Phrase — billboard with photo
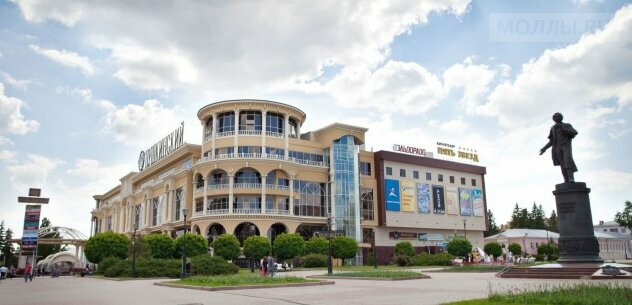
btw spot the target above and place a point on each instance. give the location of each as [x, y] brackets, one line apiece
[452, 201]
[465, 198]
[31, 228]
[408, 196]
[391, 194]
[477, 202]
[423, 197]
[438, 200]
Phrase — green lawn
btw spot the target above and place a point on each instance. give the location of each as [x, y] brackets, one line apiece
[582, 294]
[474, 268]
[241, 279]
[378, 274]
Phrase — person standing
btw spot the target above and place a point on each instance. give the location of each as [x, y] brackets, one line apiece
[12, 271]
[3, 272]
[28, 273]
[264, 266]
[271, 265]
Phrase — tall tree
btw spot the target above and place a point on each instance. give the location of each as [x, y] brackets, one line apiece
[7, 249]
[551, 222]
[493, 229]
[536, 218]
[523, 219]
[514, 223]
[625, 218]
[46, 250]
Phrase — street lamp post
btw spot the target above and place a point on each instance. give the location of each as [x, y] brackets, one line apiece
[329, 261]
[134, 249]
[252, 260]
[184, 244]
[465, 227]
[373, 246]
[524, 243]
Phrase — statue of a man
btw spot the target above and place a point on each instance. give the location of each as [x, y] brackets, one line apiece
[560, 138]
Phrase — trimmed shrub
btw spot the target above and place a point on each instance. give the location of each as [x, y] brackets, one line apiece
[119, 269]
[371, 258]
[146, 268]
[515, 249]
[141, 247]
[195, 245]
[256, 247]
[107, 244]
[493, 248]
[314, 260]
[459, 247]
[107, 263]
[425, 259]
[344, 247]
[212, 265]
[317, 245]
[287, 246]
[160, 245]
[551, 249]
[405, 248]
[297, 261]
[226, 246]
[403, 260]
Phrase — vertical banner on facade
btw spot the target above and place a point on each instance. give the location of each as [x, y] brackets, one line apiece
[423, 197]
[408, 196]
[452, 198]
[31, 228]
[477, 202]
[438, 200]
[391, 193]
[465, 197]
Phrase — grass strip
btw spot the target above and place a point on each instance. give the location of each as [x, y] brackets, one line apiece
[378, 274]
[474, 268]
[238, 280]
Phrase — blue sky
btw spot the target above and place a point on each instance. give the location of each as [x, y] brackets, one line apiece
[85, 87]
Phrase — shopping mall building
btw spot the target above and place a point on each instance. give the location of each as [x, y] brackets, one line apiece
[257, 173]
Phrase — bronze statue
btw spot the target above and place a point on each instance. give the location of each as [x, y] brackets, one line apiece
[560, 138]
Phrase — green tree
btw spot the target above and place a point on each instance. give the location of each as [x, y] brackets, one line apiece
[226, 246]
[551, 223]
[7, 249]
[317, 245]
[492, 227]
[514, 248]
[140, 247]
[459, 246]
[494, 249]
[549, 249]
[256, 247]
[287, 246]
[404, 247]
[536, 218]
[106, 244]
[344, 247]
[192, 245]
[625, 218]
[514, 223]
[45, 250]
[160, 245]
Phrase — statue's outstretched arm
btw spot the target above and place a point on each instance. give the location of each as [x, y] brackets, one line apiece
[546, 147]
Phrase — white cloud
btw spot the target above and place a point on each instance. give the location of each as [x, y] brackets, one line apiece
[32, 172]
[594, 69]
[105, 176]
[473, 79]
[18, 83]
[220, 46]
[133, 124]
[67, 58]
[11, 119]
[85, 94]
[7, 155]
[456, 126]
[5, 141]
[396, 86]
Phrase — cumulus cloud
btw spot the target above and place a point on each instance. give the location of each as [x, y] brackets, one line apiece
[32, 172]
[7, 155]
[66, 58]
[18, 83]
[221, 45]
[581, 75]
[11, 119]
[84, 93]
[473, 79]
[93, 171]
[132, 123]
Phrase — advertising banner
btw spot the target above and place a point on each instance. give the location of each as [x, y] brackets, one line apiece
[452, 198]
[391, 192]
[408, 196]
[477, 202]
[31, 227]
[465, 197]
[438, 200]
[423, 197]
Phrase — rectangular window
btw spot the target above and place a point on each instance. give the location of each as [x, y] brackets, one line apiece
[366, 197]
[249, 149]
[440, 177]
[226, 122]
[451, 179]
[179, 201]
[273, 151]
[415, 175]
[274, 123]
[110, 223]
[365, 168]
[462, 181]
[428, 176]
[199, 206]
[614, 230]
[154, 212]
[137, 213]
[250, 120]
[473, 182]
[218, 204]
[402, 172]
[224, 151]
[389, 171]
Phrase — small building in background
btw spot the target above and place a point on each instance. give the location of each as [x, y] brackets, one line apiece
[611, 227]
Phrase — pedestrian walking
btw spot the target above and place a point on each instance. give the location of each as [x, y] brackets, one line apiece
[271, 265]
[264, 266]
[3, 272]
[12, 272]
[28, 273]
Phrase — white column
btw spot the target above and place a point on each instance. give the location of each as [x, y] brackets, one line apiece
[291, 196]
[287, 136]
[213, 134]
[236, 144]
[298, 129]
[205, 199]
[263, 131]
[264, 188]
[231, 191]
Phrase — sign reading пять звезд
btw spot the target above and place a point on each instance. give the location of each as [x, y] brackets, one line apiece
[462, 152]
[163, 148]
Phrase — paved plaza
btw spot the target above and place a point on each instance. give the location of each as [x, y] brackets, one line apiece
[443, 287]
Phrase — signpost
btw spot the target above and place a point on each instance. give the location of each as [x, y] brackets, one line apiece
[32, 213]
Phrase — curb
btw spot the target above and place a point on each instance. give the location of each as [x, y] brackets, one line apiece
[420, 277]
[220, 288]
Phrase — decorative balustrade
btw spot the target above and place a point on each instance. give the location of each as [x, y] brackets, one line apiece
[218, 186]
[225, 134]
[277, 187]
[275, 134]
[247, 185]
[250, 132]
[247, 211]
[277, 212]
[261, 156]
[217, 212]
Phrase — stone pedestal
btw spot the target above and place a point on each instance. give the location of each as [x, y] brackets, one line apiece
[577, 242]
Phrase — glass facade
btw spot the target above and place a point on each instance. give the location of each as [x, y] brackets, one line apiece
[274, 123]
[250, 120]
[346, 188]
[226, 122]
